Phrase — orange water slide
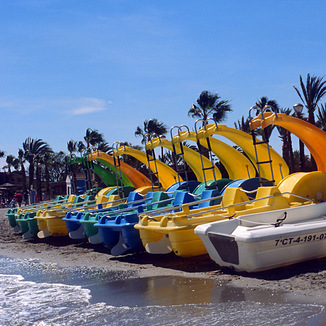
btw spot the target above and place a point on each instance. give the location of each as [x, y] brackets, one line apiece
[313, 137]
[137, 178]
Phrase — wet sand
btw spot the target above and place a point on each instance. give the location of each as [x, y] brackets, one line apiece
[305, 282]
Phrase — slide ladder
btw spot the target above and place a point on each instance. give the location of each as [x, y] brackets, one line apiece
[86, 167]
[179, 155]
[118, 172]
[205, 151]
[265, 142]
[152, 168]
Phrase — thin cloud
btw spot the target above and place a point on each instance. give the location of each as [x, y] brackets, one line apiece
[90, 105]
[86, 110]
[72, 106]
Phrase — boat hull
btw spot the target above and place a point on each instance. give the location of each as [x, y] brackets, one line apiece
[53, 223]
[258, 242]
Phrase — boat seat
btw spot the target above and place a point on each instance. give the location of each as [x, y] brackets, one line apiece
[181, 198]
[113, 201]
[158, 200]
[206, 194]
[133, 197]
[102, 199]
[277, 201]
[234, 196]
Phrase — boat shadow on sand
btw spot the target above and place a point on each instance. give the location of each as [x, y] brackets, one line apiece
[198, 264]
[204, 264]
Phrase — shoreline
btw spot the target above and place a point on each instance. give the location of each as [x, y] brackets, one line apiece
[302, 283]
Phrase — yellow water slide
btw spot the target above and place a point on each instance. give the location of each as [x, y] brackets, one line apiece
[192, 158]
[244, 140]
[137, 178]
[313, 137]
[167, 176]
[235, 163]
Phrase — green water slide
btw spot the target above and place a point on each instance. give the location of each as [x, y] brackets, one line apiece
[106, 175]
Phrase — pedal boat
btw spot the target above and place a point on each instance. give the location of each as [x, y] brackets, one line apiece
[14, 213]
[50, 221]
[267, 240]
[89, 218]
[105, 198]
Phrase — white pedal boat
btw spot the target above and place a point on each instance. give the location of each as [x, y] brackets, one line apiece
[267, 240]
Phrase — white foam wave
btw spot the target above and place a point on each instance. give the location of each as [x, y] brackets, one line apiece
[42, 304]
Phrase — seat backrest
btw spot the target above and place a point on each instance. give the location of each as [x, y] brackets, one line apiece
[182, 197]
[66, 199]
[234, 196]
[160, 200]
[133, 197]
[149, 197]
[270, 196]
[58, 198]
[206, 194]
[78, 201]
[113, 201]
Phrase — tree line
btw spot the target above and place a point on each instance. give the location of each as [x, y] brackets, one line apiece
[45, 165]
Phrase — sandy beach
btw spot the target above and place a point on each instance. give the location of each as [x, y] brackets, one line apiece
[305, 282]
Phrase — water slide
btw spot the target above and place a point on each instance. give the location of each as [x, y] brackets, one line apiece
[125, 180]
[167, 176]
[105, 175]
[137, 179]
[192, 158]
[313, 137]
[244, 140]
[235, 163]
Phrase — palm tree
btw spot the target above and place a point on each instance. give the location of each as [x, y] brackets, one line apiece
[58, 166]
[32, 149]
[264, 101]
[262, 104]
[104, 147]
[243, 124]
[271, 105]
[312, 92]
[3, 178]
[21, 160]
[210, 105]
[81, 148]
[93, 138]
[287, 148]
[72, 147]
[321, 117]
[152, 128]
[12, 162]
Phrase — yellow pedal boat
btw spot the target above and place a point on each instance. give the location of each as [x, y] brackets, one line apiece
[167, 232]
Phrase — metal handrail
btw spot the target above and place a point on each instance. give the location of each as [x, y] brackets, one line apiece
[214, 208]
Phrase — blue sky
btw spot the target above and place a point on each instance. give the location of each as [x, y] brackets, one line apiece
[66, 66]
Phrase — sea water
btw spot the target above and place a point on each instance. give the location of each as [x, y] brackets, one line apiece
[34, 293]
